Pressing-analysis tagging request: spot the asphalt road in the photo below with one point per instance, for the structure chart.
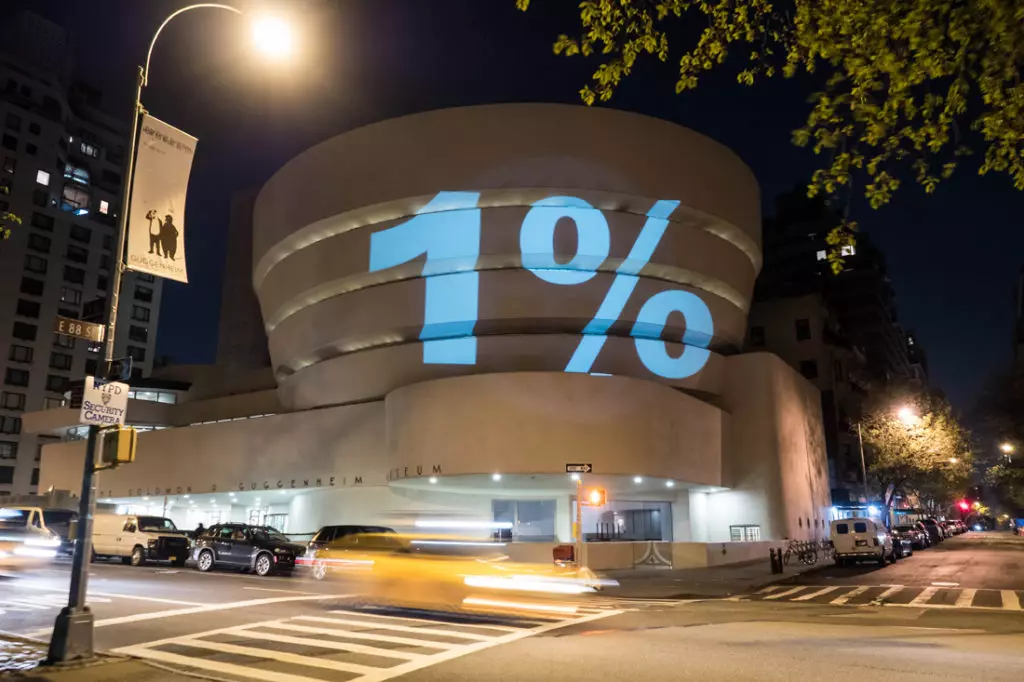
(231, 626)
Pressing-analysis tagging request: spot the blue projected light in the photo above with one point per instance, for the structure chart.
(447, 230)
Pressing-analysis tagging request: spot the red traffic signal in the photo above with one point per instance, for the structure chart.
(963, 505)
(595, 497)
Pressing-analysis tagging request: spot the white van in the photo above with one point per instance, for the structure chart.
(860, 539)
(25, 541)
(137, 539)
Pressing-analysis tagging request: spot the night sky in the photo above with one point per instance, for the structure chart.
(953, 256)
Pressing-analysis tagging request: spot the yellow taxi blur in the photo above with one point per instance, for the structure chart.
(451, 574)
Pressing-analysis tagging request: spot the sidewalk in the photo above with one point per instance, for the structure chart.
(697, 583)
(21, 659)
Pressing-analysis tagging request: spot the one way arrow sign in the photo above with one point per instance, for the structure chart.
(578, 468)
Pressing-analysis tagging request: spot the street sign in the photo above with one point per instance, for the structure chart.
(103, 404)
(79, 329)
(578, 468)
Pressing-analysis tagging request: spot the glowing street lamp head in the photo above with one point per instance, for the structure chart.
(1006, 448)
(272, 36)
(907, 416)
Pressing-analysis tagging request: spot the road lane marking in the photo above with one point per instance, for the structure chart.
(282, 656)
(350, 647)
(785, 593)
(1011, 602)
(506, 628)
(817, 593)
(923, 598)
(946, 584)
(966, 598)
(215, 666)
(855, 592)
(159, 600)
(271, 589)
(766, 590)
(396, 628)
(392, 639)
(893, 589)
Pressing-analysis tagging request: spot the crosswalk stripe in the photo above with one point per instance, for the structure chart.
(1011, 601)
(766, 590)
(283, 656)
(816, 593)
(785, 593)
(893, 589)
(327, 644)
(923, 598)
(489, 626)
(215, 666)
(391, 639)
(397, 628)
(855, 592)
(966, 597)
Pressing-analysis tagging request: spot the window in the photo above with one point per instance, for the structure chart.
(140, 334)
(809, 368)
(81, 234)
(67, 312)
(90, 367)
(55, 383)
(12, 401)
(822, 254)
(35, 264)
(61, 361)
(38, 242)
(31, 149)
(5, 183)
(74, 199)
(10, 425)
(842, 529)
(27, 308)
(40, 198)
(25, 331)
(62, 341)
(34, 128)
(104, 207)
(43, 222)
(137, 354)
(53, 404)
(144, 294)
(71, 296)
(35, 477)
(803, 329)
(20, 353)
(9, 142)
(14, 122)
(745, 533)
(76, 174)
(76, 253)
(860, 527)
(101, 282)
(16, 377)
(8, 449)
(104, 262)
(140, 313)
(143, 277)
(10, 164)
(74, 275)
(848, 250)
(89, 150)
(6, 475)
(837, 370)
(43, 178)
(532, 520)
(108, 242)
(111, 178)
(757, 336)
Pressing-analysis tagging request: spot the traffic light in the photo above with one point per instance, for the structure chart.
(116, 446)
(595, 497)
(963, 505)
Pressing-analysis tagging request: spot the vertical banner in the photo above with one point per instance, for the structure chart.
(156, 224)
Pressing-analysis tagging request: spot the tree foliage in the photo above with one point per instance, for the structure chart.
(902, 82)
(928, 456)
(6, 220)
(1007, 484)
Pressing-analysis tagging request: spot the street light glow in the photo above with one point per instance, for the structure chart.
(1007, 448)
(907, 416)
(272, 36)
(954, 460)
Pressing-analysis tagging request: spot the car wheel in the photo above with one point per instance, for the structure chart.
(138, 556)
(882, 559)
(205, 561)
(263, 565)
(320, 570)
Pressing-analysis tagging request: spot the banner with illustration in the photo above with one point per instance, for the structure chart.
(156, 224)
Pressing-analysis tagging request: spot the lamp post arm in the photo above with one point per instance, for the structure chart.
(201, 5)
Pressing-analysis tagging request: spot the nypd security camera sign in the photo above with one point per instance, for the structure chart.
(103, 403)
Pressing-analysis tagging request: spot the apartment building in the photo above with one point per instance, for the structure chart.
(62, 164)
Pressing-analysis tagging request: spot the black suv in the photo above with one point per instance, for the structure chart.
(261, 549)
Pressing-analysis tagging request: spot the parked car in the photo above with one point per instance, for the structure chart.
(934, 530)
(902, 545)
(952, 528)
(136, 539)
(261, 549)
(861, 539)
(328, 534)
(917, 535)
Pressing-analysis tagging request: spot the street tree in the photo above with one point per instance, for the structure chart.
(920, 451)
(7, 219)
(1006, 484)
(901, 86)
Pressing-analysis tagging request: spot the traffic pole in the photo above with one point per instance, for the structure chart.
(579, 522)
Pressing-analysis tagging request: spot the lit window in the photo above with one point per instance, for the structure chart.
(104, 207)
(847, 250)
(42, 178)
(90, 150)
(822, 255)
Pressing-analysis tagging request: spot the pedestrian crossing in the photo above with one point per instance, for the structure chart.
(350, 645)
(931, 596)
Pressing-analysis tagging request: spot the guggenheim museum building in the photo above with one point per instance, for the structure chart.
(438, 318)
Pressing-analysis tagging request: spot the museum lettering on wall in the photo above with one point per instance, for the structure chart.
(275, 484)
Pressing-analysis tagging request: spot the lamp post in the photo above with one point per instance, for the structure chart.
(73, 629)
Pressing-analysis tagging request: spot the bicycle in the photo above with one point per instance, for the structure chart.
(806, 552)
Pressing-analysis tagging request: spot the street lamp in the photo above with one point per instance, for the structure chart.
(954, 460)
(907, 416)
(73, 628)
(1007, 448)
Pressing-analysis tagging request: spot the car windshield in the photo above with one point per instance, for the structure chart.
(155, 524)
(269, 533)
(13, 518)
